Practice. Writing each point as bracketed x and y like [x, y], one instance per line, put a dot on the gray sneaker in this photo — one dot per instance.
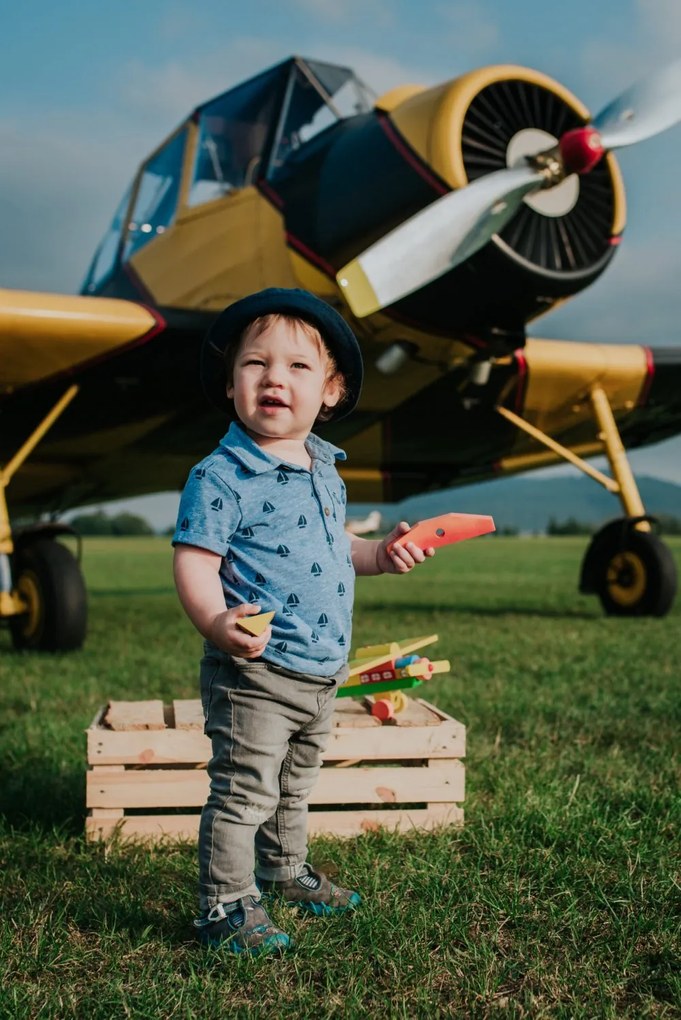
[314, 892]
[241, 927]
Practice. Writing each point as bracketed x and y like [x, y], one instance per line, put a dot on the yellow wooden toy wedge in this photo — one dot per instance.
[255, 625]
[373, 656]
[397, 647]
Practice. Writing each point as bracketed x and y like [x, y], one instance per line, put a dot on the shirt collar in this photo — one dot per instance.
[239, 445]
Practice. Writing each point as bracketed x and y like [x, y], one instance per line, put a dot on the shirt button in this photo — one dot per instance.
[327, 511]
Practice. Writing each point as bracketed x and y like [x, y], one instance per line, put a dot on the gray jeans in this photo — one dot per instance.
[268, 729]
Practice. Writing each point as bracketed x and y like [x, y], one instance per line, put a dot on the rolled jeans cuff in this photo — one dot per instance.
[282, 873]
[209, 902]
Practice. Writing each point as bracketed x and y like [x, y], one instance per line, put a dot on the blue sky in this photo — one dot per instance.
[87, 90]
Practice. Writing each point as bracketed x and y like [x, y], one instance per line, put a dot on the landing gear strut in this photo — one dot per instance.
[42, 592]
[630, 569]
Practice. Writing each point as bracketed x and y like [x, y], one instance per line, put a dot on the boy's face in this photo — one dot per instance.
[281, 380]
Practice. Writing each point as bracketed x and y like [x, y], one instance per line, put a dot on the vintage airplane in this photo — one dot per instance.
[439, 221]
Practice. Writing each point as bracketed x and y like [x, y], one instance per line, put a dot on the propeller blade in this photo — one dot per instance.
[435, 240]
[648, 107]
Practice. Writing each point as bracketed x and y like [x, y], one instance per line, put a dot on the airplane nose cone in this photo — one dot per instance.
[581, 150]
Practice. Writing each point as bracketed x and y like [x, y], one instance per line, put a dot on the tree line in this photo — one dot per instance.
[100, 523]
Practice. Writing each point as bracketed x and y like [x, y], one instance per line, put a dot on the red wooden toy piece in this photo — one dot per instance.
[445, 529]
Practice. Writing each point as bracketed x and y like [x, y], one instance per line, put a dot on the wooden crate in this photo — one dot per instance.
[147, 771]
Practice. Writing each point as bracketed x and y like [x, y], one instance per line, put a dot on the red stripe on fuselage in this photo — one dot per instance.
[648, 381]
[276, 199]
[310, 255]
[410, 156]
[521, 362]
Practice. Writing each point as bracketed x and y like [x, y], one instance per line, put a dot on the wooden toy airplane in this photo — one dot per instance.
[377, 669]
[388, 668]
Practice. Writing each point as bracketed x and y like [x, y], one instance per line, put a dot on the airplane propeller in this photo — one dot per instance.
[454, 227]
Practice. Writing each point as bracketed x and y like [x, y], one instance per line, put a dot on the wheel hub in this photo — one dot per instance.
[29, 590]
[626, 578]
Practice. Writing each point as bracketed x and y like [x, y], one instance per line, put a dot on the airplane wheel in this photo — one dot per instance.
[49, 578]
[637, 577]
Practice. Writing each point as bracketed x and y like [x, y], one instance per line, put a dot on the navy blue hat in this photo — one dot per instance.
[230, 325]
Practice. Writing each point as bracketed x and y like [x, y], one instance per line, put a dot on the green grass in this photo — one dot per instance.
[559, 898]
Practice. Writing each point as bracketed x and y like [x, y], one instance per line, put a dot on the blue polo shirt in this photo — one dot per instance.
[280, 530]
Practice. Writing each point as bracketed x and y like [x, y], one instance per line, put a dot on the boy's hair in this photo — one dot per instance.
[260, 325]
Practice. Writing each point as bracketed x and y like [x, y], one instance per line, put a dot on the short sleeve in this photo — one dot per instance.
[209, 512]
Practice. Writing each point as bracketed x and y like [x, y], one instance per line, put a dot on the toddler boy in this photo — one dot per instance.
[261, 528]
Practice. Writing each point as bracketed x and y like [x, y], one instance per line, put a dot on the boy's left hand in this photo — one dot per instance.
[401, 558]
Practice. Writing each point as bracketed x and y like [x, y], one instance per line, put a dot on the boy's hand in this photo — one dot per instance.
[225, 633]
[401, 558]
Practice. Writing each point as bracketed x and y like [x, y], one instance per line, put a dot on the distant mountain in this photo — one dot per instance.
[527, 504]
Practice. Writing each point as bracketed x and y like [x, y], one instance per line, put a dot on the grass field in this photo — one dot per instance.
[558, 898]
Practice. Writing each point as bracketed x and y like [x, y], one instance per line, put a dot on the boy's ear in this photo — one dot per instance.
[332, 391]
[230, 390]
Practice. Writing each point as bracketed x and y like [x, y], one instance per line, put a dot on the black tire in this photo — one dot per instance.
[48, 576]
[635, 576]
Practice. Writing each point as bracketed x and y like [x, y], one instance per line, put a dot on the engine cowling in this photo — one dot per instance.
[370, 173]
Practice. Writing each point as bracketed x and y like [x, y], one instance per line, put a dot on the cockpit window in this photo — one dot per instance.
[233, 132]
[250, 131]
[106, 255]
[157, 194]
[318, 96]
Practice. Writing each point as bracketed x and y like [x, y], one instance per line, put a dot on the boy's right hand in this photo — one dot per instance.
[225, 633]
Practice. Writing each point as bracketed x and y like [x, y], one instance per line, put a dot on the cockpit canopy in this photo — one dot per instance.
[246, 134]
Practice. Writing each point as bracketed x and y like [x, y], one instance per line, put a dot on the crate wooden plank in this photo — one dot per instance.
[146, 828]
[355, 823]
[355, 712]
[448, 740]
[445, 739]
[134, 715]
[188, 714]
[154, 747]
[445, 764]
[339, 823]
[160, 788]
[379, 784]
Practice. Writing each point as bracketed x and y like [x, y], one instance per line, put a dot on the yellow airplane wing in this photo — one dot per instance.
[44, 335]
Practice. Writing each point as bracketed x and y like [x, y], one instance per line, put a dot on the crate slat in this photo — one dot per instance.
[135, 715]
[165, 747]
[161, 788]
[188, 714]
[168, 747]
[334, 823]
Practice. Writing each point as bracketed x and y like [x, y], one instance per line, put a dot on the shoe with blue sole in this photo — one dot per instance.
[241, 927]
[313, 892]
